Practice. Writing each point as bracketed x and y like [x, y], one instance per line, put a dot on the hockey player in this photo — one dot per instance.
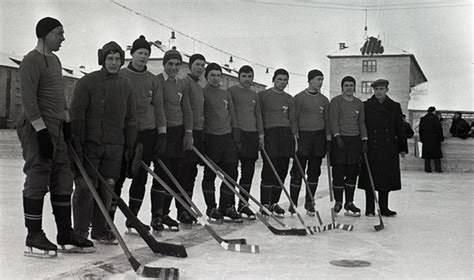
[151, 119]
[197, 64]
[278, 115]
[349, 141]
[249, 121]
[179, 137]
[103, 123]
[314, 136]
[42, 131]
[221, 141]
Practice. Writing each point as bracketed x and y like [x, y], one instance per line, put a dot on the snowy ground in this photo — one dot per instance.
[430, 238]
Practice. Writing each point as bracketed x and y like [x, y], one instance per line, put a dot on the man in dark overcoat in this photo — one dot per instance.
[386, 141]
[431, 135]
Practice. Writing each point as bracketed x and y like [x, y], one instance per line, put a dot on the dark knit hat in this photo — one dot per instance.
[280, 72]
[245, 69]
[348, 79]
[110, 48]
[314, 73]
[140, 43]
[195, 57]
[431, 109]
[379, 82]
[45, 25]
[212, 66]
[172, 54]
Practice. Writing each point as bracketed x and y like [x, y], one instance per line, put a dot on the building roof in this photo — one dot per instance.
[14, 61]
[416, 78]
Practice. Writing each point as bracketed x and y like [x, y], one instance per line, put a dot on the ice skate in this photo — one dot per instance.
[263, 212]
[157, 225]
[214, 216]
[291, 210]
[310, 211]
[277, 210]
[246, 212]
[170, 223]
[232, 214]
[131, 230]
[337, 208]
[38, 246]
[74, 243]
[107, 237]
[185, 220]
[351, 210]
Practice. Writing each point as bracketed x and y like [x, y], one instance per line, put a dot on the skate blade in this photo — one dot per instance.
[350, 214]
[311, 214]
[249, 217]
[214, 221]
[75, 249]
[185, 226]
[43, 254]
[173, 229]
[230, 220]
[281, 216]
[107, 242]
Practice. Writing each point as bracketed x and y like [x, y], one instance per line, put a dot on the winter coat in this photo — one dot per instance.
[431, 135]
[386, 139]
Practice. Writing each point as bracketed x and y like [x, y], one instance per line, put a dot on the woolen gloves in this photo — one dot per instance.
[188, 141]
[339, 141]
[45, 142]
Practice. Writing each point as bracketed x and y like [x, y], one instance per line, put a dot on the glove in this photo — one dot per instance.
[67, 131]
[339, 141]
[261, 143]
[365, 147]
[328, 146]
[160, 145]
[132, 158]
[45, 142]
[236, 136]
[188, 141]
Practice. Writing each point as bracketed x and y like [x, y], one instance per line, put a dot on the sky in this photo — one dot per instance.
[295, 35]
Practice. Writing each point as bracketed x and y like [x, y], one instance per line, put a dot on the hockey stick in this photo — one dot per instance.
[308, 189]
[167, 249]
[226, 179]
[140, 269]
[334, 225]
[226, 245]
[194, 210]
[372, 185]
[286, 191]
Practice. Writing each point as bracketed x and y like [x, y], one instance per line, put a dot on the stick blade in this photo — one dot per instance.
[379, 227]
[169, 249]
[244, 248]
[236, 241]
[153, 272]
[291, 231]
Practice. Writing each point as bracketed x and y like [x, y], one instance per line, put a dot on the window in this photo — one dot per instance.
[366, 89]
[369, 65]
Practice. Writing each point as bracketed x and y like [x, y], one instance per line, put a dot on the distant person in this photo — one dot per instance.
[431, 135]
[459, 127]
[386, 143]
[408, 130]
[43, 129]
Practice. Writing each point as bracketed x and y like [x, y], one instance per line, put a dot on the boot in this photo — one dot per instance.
[277, 210]
[351, 210]
[245, 210]
[232, 214]
[384, 210]
[214, 216]
[78, 243]
[38, 240]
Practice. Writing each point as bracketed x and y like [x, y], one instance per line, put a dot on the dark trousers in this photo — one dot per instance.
[270, 187]
[437, 164]
[247, 170]
[370, 203]
[344, 180]
[313, 171]
[221, 149]
[190, 164]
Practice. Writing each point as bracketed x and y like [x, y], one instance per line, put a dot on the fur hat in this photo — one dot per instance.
[110, 48]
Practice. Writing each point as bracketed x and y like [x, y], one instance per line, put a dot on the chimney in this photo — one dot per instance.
[342, 46]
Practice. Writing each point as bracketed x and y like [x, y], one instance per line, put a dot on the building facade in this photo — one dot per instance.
[367, 64]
